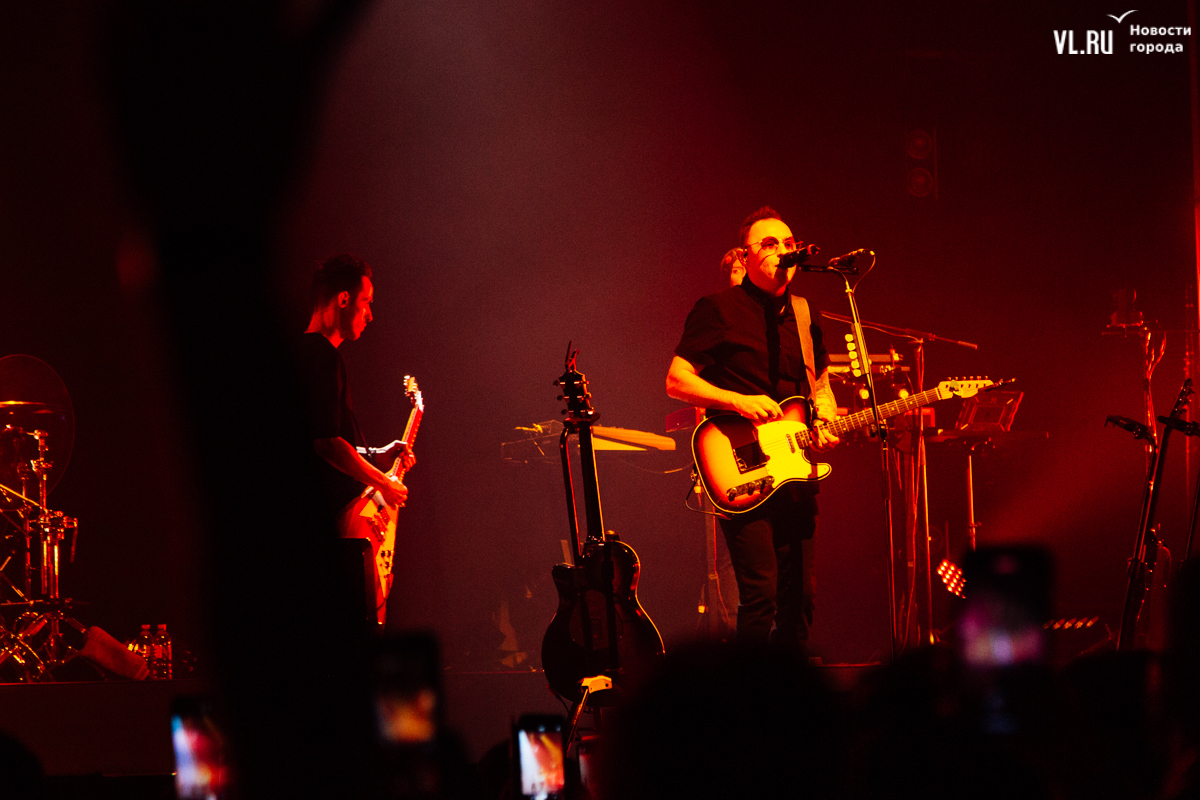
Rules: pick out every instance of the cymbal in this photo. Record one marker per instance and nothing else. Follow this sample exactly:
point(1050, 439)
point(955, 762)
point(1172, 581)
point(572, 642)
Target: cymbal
point(28, 407)
point(33, 398)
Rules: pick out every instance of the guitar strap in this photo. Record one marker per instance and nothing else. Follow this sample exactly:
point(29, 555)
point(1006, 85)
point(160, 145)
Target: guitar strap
point(818, 389)
point(804, 328)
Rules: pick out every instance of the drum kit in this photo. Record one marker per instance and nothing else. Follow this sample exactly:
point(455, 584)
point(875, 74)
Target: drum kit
point(37, 432)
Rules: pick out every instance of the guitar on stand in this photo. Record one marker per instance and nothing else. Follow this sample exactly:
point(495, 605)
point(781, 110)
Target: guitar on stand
point(1146, 544)
point(370, 517)
point(600, 634)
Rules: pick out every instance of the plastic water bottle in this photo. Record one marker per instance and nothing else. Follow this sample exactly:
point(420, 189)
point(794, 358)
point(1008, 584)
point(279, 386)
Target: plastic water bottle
point(142, 646)
point(160, 669)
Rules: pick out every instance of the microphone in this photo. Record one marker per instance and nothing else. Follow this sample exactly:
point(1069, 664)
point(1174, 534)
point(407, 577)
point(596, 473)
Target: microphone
point(849, 258)
point(798, 256)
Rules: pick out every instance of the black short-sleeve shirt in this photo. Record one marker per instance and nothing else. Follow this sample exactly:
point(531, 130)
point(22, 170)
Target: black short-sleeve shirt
point(744, 340)
point(330, 414)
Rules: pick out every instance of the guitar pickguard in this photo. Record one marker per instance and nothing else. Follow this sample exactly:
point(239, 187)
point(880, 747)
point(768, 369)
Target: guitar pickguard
point(367, 517)
point(749, 456)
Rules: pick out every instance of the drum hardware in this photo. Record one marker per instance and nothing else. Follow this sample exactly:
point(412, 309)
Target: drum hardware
point(35, 641)
point(41, 638)
point(12, 647)
point(35, 445)
point(25, 531)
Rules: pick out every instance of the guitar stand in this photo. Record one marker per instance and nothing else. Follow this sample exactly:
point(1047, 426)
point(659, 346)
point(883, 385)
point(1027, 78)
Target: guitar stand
point(1146, 543)
point(1187, 429)
point(596, 683)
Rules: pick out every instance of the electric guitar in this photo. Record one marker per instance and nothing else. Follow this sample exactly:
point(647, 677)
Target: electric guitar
point(370, 517)
point(600, 627)
point(741, 463)
point(1146, 546)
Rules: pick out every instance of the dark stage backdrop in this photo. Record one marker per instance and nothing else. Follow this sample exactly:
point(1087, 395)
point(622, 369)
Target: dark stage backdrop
point(521, 175)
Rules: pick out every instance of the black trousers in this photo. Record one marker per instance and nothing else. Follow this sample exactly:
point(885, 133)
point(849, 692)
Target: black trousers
point(772, 552)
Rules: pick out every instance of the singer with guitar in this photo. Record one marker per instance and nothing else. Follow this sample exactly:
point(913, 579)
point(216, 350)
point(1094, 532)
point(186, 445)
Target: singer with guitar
point(742, 351)
point(341, 463)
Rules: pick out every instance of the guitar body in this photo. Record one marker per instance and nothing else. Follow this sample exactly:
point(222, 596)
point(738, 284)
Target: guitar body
point(741, 463)
point(369, 517)
point(577, 644)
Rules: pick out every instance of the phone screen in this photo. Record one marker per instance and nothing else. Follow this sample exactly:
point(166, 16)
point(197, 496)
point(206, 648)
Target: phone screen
point(407, 718)
point(1007, 601)
point(408, 690)
point(201, 771)
point(541, 765)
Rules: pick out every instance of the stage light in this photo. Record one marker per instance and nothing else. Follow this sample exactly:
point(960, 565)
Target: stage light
point(952, 578)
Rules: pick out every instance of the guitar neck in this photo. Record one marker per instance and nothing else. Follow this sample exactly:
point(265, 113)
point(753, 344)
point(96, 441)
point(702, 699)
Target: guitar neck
point(409, 437)
point(411, 427)
point(861, 419)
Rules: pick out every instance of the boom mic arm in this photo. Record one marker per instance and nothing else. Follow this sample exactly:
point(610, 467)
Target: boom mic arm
point(842, 264)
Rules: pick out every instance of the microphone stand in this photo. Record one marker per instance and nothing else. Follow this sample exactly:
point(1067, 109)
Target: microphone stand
point(918, 338)
point(908, 333)
point(845, 269)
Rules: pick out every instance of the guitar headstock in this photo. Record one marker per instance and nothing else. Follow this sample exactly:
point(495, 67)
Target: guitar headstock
point(574, 387)
point(967, 387)
point(413, 392)
point(1181, 402)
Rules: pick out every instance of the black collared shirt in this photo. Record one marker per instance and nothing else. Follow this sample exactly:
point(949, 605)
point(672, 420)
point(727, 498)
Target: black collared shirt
point(744, 340)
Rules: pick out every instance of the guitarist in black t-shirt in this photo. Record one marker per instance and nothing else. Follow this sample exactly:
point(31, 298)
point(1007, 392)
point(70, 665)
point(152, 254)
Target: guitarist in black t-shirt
point(342, 295)
point(741, 352)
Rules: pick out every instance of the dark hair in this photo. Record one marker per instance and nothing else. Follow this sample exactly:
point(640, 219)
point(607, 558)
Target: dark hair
point(766, 212)
point(732, 259)
point(339, 274)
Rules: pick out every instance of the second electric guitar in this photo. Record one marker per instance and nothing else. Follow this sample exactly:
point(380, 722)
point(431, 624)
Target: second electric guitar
point(370, 517)
point(741, 463)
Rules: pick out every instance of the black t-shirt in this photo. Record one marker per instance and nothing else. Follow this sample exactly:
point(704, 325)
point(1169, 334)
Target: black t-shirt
point(330, 414)
point(745, 340)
